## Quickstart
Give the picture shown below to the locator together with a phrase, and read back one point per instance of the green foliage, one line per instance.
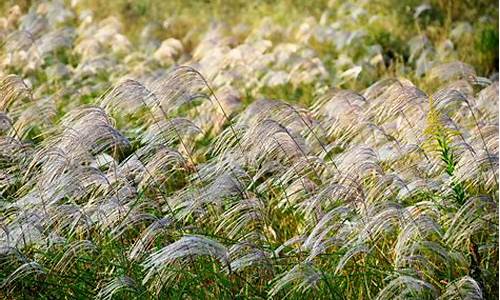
(486, 42)
(450, 163)
(442, 136)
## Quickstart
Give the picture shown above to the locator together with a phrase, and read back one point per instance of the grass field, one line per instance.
(249, 149)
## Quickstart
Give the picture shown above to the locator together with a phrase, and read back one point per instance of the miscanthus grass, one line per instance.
(321, 159)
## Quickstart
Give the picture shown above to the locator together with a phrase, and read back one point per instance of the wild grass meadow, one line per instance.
(287, 149)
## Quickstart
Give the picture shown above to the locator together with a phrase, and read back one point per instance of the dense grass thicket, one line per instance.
(249, 149)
